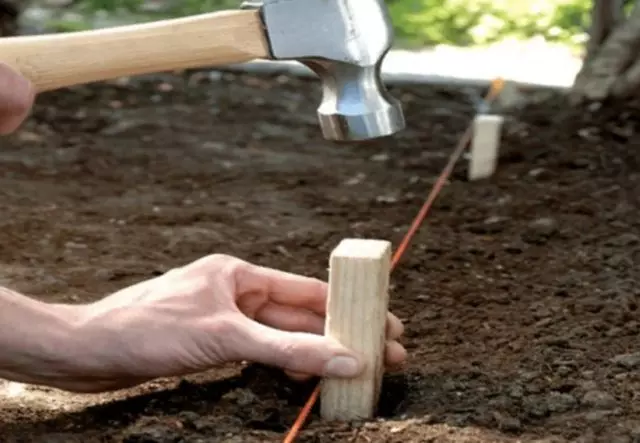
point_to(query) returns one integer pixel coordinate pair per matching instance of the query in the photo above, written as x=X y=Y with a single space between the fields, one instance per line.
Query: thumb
x=298 y=351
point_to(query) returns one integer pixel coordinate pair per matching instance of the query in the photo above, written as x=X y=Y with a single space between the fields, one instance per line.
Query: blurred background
x=418 y=22
x=542 y=42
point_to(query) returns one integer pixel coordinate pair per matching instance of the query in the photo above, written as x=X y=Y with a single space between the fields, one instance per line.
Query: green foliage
x=465 y=22
x=422 y=22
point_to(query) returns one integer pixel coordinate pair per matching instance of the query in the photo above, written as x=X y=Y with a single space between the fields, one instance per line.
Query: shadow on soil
x=264 y=399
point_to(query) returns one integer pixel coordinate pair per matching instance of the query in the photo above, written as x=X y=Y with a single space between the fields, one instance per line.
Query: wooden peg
x=356 y=317
x=485 y=144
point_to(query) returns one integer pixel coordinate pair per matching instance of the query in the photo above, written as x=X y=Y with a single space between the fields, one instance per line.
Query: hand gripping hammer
x=342 y=41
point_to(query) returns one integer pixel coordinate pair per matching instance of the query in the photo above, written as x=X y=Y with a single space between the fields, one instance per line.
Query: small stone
x=595 y=416
x=588 y=375
x=589 y=385
x=529 y=375
x=552 y=439
x=540 y=230
x=491 y=225
x=516 y=392
x=545 y=225
x=535 y=407
x=614 y=332
x=628 y=361
x=560 y=402
x=501 y=402
x=242 y=397
x=592 y=304
x=188 y=417
x=586 y=438
x=563 y=371
x=386 y=199
x=539 y=173
x=507 y=423
x=626 y=239
x=383 y=157
x=599 y=400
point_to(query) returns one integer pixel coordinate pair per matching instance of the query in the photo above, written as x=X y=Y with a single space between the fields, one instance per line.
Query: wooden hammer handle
x=61 y=60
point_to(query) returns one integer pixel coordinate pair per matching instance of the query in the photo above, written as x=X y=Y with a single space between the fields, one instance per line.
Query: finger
x=97 y=386
x=16 y=98
x=395 y=357
x=395 y=354
x=395 y=328
x=298 y=376
x=283 y=287
x=295 y=351
x=289 y=318
x=294 y=319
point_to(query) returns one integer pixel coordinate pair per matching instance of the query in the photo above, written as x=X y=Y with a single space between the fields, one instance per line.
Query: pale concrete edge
x=392 y=78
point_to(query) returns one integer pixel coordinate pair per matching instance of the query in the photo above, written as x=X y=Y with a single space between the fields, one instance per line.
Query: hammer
x=343 y=41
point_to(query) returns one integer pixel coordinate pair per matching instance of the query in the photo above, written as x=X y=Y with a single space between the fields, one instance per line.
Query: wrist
x=40 y=343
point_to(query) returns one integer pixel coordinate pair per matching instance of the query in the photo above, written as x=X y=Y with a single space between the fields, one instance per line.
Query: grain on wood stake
x=356 y=317
x=487 y=130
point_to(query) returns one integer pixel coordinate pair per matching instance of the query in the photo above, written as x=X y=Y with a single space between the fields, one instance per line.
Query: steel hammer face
x=344 y=42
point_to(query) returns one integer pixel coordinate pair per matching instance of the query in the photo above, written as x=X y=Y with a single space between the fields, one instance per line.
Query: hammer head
x=344 y=42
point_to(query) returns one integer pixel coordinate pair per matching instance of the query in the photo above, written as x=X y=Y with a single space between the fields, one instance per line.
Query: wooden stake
x=484 y=146
x=356 y=317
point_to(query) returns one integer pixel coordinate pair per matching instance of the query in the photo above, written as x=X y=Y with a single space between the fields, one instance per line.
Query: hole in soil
x=393 y=398
x=265 y=381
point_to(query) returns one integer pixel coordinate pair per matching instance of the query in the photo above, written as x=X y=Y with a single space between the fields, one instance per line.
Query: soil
x=519 y=293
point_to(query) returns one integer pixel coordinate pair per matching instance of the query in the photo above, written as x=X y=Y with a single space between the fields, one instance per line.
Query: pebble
x=507 y=423
x=563 y=371
x=501 y=402
x=545 y=225
x=560 y=402
x=540 y=230
x=599 y=400
x=586 y=438
x=596 y=416
x=587 y=375
x=589 y=385
x=626 y=239
x=242 y=397
x=491 y=225
x=614 y=332
x=539 y=173
x=628 y=361
x=516 y=392
x=383 y=157
x=529 y=375
x=535 y=407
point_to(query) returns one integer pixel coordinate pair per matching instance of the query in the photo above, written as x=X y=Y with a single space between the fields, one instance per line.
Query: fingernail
x=342 y=366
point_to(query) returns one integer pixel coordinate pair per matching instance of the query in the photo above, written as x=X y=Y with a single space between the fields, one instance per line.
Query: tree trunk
x=9 y=12
x=612 y=66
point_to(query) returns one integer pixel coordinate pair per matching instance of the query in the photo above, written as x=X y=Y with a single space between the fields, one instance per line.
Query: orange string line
x=496 y=87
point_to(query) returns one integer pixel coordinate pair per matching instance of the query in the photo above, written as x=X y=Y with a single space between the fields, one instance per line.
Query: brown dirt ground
x=519 y=294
